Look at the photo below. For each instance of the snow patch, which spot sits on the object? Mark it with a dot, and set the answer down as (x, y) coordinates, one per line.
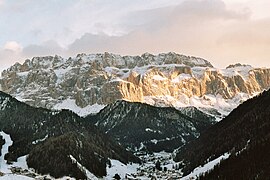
(154, 141)
(222, 105)
(15, 177)
(4, 103)
(88, 174)
(40, 140)
(71, 105)
(159, 78)
(181, 77)
(23, 74)
(4, 167)
(242, 71)
(121, 169)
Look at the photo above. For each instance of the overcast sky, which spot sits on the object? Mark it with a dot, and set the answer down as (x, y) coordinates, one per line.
(223, 32)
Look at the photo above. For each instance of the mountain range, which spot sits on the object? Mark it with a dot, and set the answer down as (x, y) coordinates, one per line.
(87, 83)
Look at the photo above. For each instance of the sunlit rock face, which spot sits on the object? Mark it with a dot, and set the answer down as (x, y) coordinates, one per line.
(164, 80)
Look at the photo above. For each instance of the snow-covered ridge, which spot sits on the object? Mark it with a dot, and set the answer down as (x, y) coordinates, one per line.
(106, 60)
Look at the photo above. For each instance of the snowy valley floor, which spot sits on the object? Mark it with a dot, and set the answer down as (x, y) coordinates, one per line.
(169, 168)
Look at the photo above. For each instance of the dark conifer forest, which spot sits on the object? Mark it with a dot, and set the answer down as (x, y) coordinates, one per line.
(50, 137)
(134, 123)
(245, 134)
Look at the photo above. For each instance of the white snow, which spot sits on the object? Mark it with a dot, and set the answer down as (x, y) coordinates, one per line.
(223, 106)
(239, 152)
(60, 73)
(15, 177)
(89, 175)
(23, 74)
(4, 103)
(21, 163)
(208, 166)
(118, 69)
(198, 71)
(4, 167)
(111, 70)
(149, 130)
(159, 78)
(71, 105)
(89, 58)
(40, 140)
(181, 77)
(154, 141)
(8, 142)
(242, 71)
(120, 169)
(119, 80)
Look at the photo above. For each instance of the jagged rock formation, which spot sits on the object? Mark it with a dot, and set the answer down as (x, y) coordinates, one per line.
(244, 134)
(163, 80)
(51, 137)
(139, 126)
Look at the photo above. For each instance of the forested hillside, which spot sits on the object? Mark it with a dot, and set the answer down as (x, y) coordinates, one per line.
(50, 137)
(245, 134)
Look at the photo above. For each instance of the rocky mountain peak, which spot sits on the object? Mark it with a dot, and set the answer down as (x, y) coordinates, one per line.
(238, 65)
(107, 60)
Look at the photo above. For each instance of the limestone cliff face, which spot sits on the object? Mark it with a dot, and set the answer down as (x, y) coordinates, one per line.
(103, 78)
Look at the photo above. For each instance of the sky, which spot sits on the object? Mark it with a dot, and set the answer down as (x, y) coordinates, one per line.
(221, 31)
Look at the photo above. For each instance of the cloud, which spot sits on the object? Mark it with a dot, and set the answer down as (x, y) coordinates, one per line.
(207, 28)
(7, 58)
(13, 52)
(13, 46)
(9, 53)
(44, 49)
(209, 9)
(203, 28)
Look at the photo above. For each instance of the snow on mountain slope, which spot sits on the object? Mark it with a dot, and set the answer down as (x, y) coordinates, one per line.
(3, 163)
(244, 134)
(49, 137)
(121, 169)
(206, 167)
(71, 105)
(86, 83)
